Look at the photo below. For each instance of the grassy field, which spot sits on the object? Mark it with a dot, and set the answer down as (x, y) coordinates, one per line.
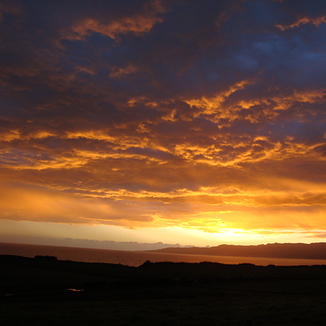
(44, 291)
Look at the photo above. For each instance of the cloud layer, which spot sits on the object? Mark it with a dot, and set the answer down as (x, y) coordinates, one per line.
(164, 113)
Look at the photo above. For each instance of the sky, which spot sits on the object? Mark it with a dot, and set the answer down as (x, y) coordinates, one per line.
(178, 122)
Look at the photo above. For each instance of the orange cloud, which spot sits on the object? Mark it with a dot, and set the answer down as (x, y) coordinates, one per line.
(137, 24)
(211, 105)
(27, 203)
(302, 21)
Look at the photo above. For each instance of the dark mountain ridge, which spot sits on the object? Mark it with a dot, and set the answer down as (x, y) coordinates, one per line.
(271, 250)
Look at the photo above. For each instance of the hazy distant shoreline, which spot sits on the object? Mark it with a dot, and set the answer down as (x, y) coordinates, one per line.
(136, 258)
(274, 250)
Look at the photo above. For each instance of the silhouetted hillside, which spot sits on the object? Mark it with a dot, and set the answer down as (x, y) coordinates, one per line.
(275, 250)
(47, 291)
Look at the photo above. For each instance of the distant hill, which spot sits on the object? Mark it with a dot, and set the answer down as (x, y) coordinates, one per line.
(275, 250)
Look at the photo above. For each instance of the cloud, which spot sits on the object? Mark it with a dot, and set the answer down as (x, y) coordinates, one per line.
(136, 24)
(304, 20)
(30, 203)
(163, 112)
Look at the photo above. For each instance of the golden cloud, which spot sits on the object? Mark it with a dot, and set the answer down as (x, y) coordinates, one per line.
(302, 21)
(137, 24)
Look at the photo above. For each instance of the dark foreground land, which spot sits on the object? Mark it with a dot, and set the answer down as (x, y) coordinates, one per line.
(45, 291)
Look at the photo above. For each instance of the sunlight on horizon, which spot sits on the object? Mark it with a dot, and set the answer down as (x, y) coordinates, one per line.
(99, 236)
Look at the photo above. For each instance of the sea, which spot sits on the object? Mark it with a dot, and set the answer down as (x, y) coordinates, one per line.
(137, 258)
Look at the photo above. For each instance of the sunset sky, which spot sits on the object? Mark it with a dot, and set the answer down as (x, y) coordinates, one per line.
(173, 121)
